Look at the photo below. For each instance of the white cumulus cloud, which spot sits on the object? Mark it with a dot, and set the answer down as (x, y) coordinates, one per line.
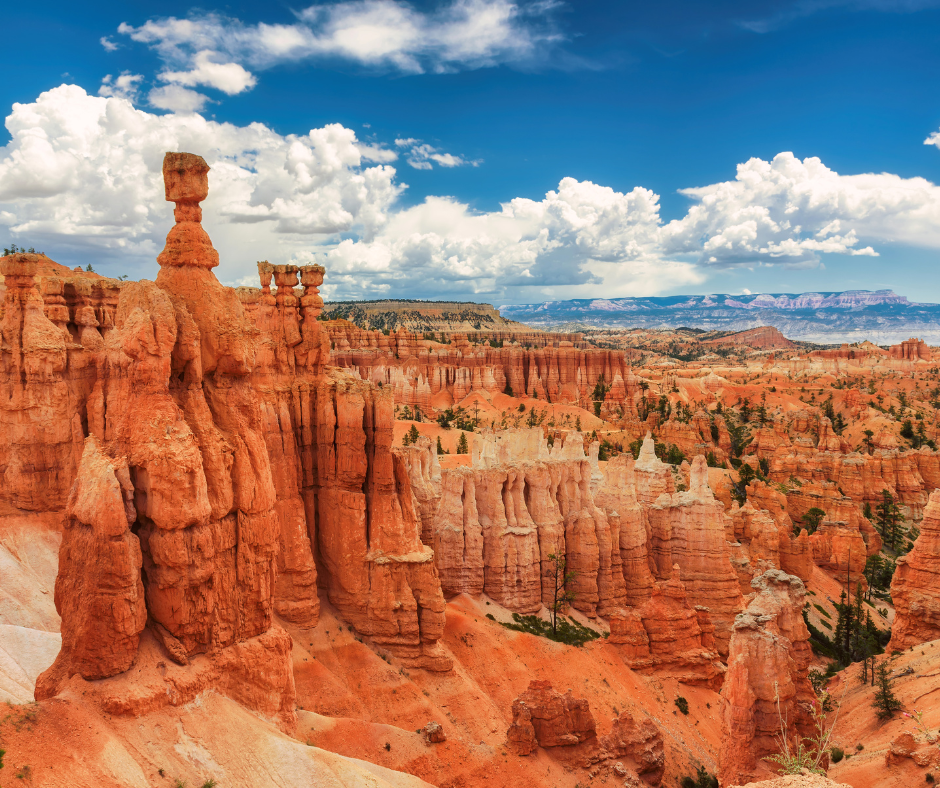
(81, 178)
(787, 210)
(230, 78)
(84, 174)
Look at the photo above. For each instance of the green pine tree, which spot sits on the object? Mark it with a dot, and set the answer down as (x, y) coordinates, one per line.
(440, 448)
(889, 520)
(462, 445)
(885, 701)
(812, 519)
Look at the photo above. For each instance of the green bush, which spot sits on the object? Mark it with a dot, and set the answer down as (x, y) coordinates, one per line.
(836, 754)
(682, 704)
(568, 631)
(702, 779)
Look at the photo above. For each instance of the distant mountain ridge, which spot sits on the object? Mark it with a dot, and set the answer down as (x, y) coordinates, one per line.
(881, 316)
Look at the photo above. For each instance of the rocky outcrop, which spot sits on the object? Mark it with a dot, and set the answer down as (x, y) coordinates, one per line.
(498, 522)
(638, 744)
(761, 338)
(915, 587)
(653, 477)
(912, 349)
(688, 530)
(767, 666)
(796, 781)
(906, 747)
(668, 636)
(543, 717)
(379, 574)
(99, 593)
(617, 496)
(908, 475)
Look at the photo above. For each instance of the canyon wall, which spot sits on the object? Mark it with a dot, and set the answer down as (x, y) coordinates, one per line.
(915, 587)
(422, 371)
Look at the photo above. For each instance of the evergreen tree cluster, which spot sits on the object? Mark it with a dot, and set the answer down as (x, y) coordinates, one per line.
(458, 418)
(856, 638)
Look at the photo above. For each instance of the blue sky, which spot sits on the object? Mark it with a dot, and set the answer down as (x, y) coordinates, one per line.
(493, 102)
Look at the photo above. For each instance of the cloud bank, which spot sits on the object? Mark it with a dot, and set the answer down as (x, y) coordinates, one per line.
(82, 179)
(216, 51)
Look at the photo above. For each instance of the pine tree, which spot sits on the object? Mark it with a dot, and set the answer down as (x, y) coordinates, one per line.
(413, 435)
(842, 636)
(440, 448)
(462, 446)
(888, 520)
(885, 701)
(812, 519)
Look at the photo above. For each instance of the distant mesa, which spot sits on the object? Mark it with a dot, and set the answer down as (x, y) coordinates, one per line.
(882, 316)
(418, 316)
(761, 338)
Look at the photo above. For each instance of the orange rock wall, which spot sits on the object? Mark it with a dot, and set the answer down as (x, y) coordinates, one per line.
(915, 587)
(419, 370)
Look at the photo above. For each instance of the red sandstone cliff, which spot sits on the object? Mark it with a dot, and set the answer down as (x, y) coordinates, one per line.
(915, 588)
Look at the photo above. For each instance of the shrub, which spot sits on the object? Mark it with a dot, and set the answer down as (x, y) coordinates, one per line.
(859, 747)
(682, 704)
(702, 779)
(836, 754)
(567, 631)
